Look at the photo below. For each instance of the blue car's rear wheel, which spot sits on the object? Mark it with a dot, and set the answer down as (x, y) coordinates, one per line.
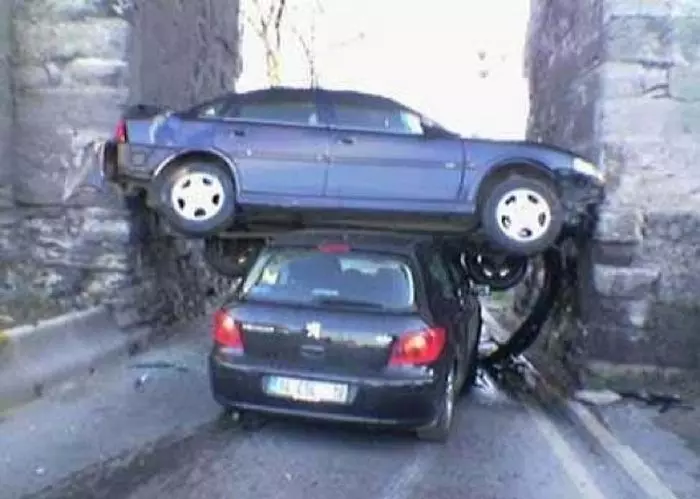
(522, 215)
(197, 197)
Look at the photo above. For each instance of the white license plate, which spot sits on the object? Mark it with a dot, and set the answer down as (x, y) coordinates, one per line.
(307, 391)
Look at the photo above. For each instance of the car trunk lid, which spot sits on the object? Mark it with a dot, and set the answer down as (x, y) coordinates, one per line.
(343, 338)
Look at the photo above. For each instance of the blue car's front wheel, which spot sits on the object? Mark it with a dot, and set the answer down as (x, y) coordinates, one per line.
(522, 215)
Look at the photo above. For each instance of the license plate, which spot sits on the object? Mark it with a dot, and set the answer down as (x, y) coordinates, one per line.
(307, 391)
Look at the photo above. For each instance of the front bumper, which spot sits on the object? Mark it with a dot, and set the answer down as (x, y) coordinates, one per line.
(409, 402)
(580, 196)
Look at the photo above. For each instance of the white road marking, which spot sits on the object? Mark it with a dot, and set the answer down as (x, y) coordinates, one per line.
(635, 467)
(403, 484)
(574, 468)
(641, 473)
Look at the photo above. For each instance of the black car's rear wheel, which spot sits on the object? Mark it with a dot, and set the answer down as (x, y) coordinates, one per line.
(196, 197)
(522, 215)
(439, 430)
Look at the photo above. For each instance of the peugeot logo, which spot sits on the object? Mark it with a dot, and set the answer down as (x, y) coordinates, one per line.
(313, 330)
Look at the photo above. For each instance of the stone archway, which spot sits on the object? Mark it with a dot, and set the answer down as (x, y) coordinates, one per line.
(614, 80)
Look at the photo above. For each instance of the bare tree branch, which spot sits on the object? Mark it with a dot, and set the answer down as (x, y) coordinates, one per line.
(271, 12)
(278, 22)
(310, 58)
(262, 20)
(256, 26)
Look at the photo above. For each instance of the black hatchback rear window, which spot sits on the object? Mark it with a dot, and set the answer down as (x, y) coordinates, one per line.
(312, 277)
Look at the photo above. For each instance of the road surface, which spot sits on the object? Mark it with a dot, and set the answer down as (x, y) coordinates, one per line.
(108, 436)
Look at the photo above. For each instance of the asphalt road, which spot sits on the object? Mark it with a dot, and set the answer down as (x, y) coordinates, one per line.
(109, 437)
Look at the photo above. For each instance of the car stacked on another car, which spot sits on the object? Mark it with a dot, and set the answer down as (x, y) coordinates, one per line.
(239, 167)
(354, 326)
(332, 319)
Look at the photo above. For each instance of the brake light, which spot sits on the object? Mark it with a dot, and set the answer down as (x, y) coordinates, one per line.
(227, 331)
(418, 347)
(334, 248)
(120, 134)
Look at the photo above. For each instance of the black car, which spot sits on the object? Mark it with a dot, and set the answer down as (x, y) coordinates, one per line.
(280, 158)
(363, 327)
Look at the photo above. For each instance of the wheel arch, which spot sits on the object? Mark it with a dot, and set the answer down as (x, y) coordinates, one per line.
(208, 155)
(212, 156)
(513, 166)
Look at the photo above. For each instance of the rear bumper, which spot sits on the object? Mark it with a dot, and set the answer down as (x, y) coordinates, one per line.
(393, 401)
(132, 162)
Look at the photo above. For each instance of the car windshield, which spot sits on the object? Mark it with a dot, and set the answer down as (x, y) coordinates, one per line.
(312, 277)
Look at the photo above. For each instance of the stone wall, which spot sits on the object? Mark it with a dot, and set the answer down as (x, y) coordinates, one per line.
(68, 67)
(7, 213)
(617, 80)
(5, 102)
(75, 65)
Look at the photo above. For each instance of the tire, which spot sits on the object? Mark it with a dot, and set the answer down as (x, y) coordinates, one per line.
(197, 198)
(231, 257)
(510, 196)
(439, 430)
(500, 274)
(228, 418)
(472, 362)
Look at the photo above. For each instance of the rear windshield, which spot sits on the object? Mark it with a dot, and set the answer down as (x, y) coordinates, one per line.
(311, 277)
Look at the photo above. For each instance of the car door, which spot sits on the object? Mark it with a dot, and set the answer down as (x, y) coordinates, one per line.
(279, 143)
(445, 301)
(379, 150)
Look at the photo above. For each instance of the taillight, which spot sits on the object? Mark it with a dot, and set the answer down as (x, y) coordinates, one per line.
(418, 347)
(120, 132)
(227, 331)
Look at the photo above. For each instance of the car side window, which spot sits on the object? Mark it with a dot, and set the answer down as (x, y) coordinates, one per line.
(380, 118)
(441, 276)
(211, 109)
(277, 110)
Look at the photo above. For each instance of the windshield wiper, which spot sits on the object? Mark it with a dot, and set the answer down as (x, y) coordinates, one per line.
(325, 300)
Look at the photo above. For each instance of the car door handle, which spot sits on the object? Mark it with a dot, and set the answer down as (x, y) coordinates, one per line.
(347, 140)
(238, 133)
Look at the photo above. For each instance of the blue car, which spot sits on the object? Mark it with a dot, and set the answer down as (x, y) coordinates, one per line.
(245, 165)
